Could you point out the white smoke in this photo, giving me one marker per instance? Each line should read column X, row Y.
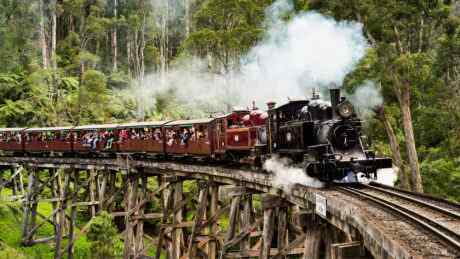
column 307, row 51
column 285, row 176
column 366, row 97
column 387, row 176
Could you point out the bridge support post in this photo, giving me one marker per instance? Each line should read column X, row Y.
column 73, row 213
column 166, row 203
column 30, row 208
column 2, row 173
column 131, row 197
column 213, row 227
column 267, row 234
column 102, row 186
column 312, row 237
column 177, row 235
column 92, row 191
column 62, row 190
column 199, row 217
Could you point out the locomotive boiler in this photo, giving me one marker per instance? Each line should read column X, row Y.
column 325, row 138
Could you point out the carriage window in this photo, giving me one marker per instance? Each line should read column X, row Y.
column 11, row 137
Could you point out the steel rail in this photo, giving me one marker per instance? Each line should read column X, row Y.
column 441, row 231
column 394, row 192
column 421, row 195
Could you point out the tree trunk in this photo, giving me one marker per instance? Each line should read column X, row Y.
column 43, row 43
column 114, row 38
column 187, row 18
column 404, row 101
column 395, row 150
column 53, row 35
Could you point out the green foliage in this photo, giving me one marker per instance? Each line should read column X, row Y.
column 103, row 236
column 442, row 177
column 227, row 29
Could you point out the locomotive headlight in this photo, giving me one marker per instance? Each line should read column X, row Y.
column 345, row 109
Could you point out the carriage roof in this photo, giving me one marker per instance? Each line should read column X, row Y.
column 189, row 122
column 95, row 127
column 11, row 129
column 48, row 129
column 143, row 124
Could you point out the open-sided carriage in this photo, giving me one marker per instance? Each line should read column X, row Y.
column 52, row 139
column 95, row 138
column 190, row 137
column 141, row 137
column 11, row 139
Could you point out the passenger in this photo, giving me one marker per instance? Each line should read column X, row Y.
column 171, row 134
column 110, row 139
column 18, row 137
column 157, row 135
column 86, row 139
column 123, row 135
column 94, row 140
column 192, row 134
column 184, row 137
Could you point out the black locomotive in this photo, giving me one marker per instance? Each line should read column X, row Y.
column 325, row 138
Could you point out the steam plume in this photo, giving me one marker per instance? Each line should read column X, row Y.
column 366, row 98
column 286, row 176
column 308, row 51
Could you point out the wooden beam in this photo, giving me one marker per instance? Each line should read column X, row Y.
column 282, row 230
column 139, row 239
column 166, row 198
column 234, row 214
column 255, row 253
column 177, row 234
column 102, row 189
column 27, row 207
column 73, row 213
column 130, row 203
column 267, row 233
column 292, row 246
column 312, row 241
column 203, row 200
column 60, row 224
column 13, row 176
column 213, row 212
column 92, row 191
column 348, row 250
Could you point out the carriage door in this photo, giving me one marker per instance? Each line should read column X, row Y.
column 220, row 141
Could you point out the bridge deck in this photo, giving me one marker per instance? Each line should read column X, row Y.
column 383, row 233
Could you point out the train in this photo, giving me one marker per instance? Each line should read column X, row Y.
column 324, row 138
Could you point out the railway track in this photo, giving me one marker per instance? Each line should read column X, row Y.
column 441, row 218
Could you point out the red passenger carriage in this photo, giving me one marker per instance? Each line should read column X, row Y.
column 11, row 139
column 190, row 137
column 56, row 139
column 95, row 138
column 141, row 137
column 240, row 132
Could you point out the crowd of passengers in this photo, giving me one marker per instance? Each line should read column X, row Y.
column 10, row 137
column 184, row 135
column 91, row 138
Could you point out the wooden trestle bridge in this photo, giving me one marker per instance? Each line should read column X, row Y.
column 301, row 223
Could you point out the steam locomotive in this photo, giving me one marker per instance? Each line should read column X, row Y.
column 324, row 138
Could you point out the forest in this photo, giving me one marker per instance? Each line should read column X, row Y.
column 76, row 62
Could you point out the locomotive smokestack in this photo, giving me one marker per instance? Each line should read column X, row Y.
column 335, row 97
